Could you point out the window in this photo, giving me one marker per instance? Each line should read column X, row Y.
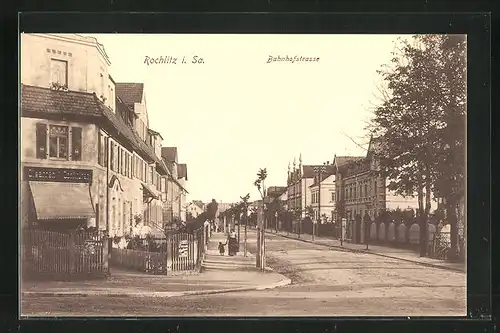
column 375, row 188
column 58, row 141
column 132, row 162
column 112, row 156
column 333, row 197
column 59, row 71
column 100, row 151
column 366, row 190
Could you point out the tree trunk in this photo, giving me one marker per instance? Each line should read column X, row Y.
column 422, row 222
column 424, row 239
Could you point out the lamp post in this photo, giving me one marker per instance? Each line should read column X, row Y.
column 318, row 170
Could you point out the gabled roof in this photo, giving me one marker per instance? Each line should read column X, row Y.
column 308, row 170
column 374, row 146
column 155, row 133
column 169, row 154
column 130, row 93
column 182, row 171
column 340, row 161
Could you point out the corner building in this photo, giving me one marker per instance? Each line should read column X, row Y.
column 83, row 161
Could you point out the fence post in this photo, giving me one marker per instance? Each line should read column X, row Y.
column 105, row 253
column 72, row 250
column 169, row 252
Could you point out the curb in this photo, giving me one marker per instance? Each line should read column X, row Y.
column 281, row 283
column 373, row 253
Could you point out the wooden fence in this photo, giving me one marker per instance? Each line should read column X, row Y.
column 177, row 252
column 50, row 254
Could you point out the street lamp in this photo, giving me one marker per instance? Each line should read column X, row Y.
column 318, row 170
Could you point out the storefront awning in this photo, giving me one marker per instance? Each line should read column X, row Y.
column 56, row 200
column 148, row 192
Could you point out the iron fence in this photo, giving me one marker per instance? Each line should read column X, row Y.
column 176, row 252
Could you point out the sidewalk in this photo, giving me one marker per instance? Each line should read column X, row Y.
column 220, row 274
column 384, row 251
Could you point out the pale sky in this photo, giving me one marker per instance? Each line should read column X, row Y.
column 235, row 113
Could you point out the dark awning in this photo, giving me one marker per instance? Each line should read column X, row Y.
column 55, row 200
column 148, row 192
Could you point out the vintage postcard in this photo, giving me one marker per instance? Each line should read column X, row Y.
column 242, row 175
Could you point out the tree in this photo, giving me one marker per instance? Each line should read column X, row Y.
column 260, row 184
column 212, row 210
column 420, row 123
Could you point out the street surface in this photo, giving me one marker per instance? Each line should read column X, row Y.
column 325, row 282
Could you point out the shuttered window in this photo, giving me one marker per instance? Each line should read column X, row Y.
column 41, row 140
column 76, row 143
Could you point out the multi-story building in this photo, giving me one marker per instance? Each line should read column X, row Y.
column 182, row 177
column 82, row 160
column 323, row 196
column 299, row 195
column 175, row 192
column 361, row 189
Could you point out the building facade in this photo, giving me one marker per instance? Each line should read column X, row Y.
column 324, row 211
column 362, row 190
column 175, row 191
column 82, row 161
column 299, row 186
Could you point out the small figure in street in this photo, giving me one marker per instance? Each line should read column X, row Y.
column 233, row 243
column 222, row 248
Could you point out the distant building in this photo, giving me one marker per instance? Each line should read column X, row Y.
column 195, row 208
column 360, row 188
column 325, row 210
column 299, row 195
column 176, row 192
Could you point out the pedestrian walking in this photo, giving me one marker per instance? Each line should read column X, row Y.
column 222, row 248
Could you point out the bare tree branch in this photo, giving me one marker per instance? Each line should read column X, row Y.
column 350, row 138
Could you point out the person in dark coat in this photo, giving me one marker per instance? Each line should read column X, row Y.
column 233, row 243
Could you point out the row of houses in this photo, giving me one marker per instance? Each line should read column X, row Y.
column 347, row 186
column 88, row 154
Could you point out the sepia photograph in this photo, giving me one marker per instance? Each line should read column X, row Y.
column 230, row 175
